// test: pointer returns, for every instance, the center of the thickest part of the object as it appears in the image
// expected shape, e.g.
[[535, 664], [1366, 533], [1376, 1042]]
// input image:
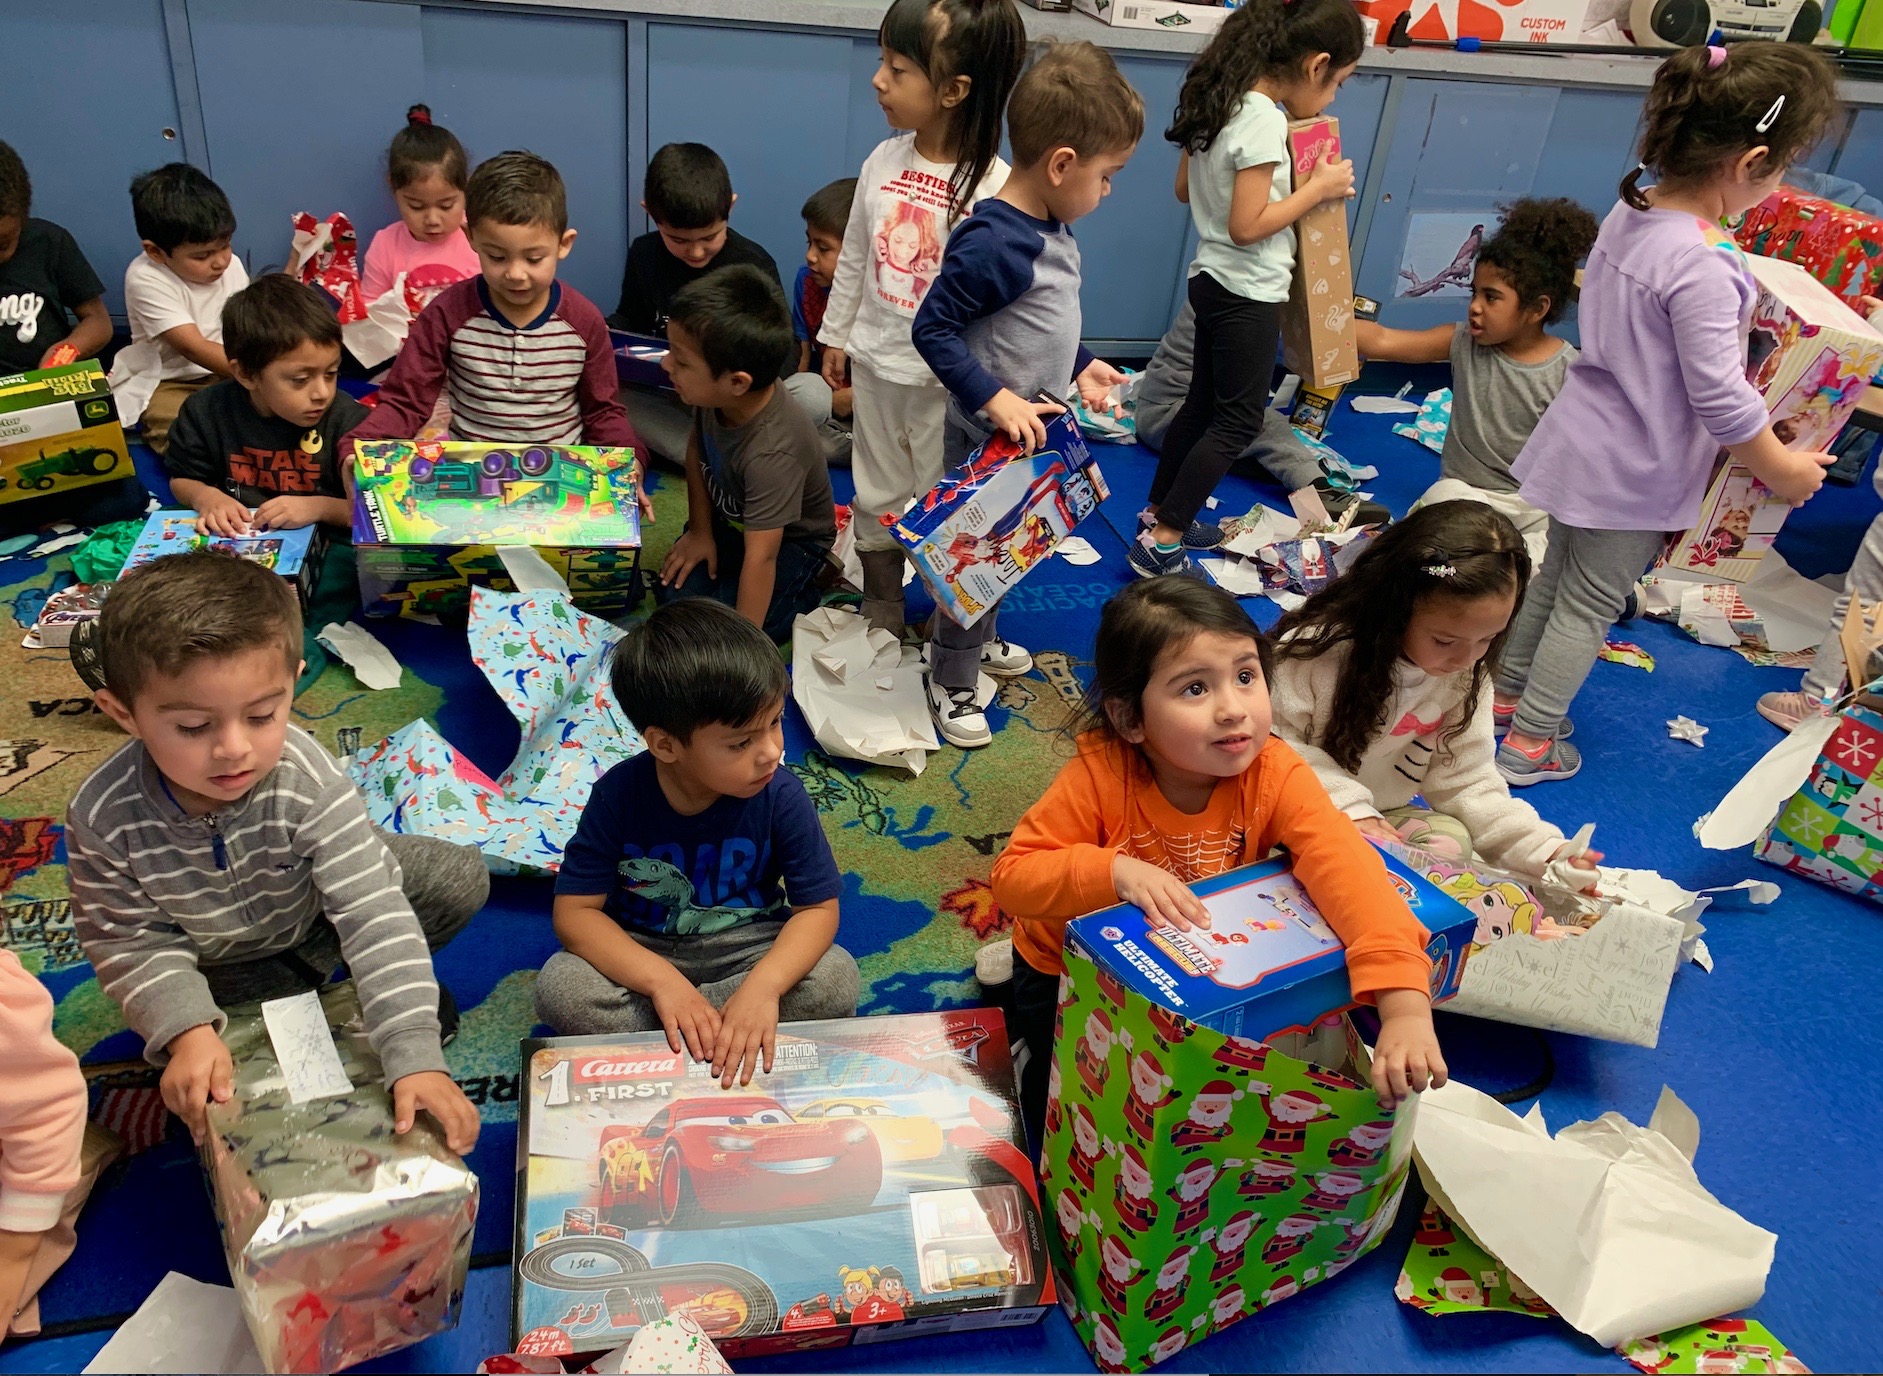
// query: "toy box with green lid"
[[873, 1185], [1212, 1143]]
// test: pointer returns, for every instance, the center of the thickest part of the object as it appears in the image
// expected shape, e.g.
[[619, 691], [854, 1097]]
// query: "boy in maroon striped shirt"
[[522, 358]]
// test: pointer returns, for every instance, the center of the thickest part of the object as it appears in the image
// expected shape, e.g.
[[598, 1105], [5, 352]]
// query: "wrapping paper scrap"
[[1110, 427], [1777, 612], [1626, 652], [1751, 804], [548, 662], [1434, 421], [1268, 556], [1716, 1345], [529, 571], [184, 1326], [101, 558], [1448, 1273], [1395, 405], [1075, 549], [325, 254], [371, 662], [859, 698], [1625, 1242], [676, 1343], [1341, 472], [1685, 728]]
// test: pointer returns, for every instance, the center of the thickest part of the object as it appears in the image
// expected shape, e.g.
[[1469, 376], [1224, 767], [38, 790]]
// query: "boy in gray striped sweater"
[[223, 857]]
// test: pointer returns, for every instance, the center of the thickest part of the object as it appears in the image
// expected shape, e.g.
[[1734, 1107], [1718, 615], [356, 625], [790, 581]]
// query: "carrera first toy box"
[[58, 430], [1811, 357], [985, 525], [430, 518], [294, 554], [874, 1185], [1317, 334], [1212, 1143]]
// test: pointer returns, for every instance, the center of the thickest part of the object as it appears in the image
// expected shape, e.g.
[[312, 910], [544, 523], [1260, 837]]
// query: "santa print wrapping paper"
[[1832, 829], [1841, 247], [1198, 1177]]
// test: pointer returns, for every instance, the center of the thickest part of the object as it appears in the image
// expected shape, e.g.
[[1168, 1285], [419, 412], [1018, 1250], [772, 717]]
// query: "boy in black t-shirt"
[[699, 894], [259, 450], [45, 284], [760, 520]]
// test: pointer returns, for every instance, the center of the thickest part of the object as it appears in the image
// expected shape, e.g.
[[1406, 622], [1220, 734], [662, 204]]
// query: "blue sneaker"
[[1148, 561], [1200, 538], [1520, 768]]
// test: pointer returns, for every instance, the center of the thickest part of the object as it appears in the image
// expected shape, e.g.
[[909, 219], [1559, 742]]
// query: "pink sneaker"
[[1787, 710]]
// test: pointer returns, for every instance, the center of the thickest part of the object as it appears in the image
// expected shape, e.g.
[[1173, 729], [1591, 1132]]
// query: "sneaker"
[[1201, 535], [1336, 502], [1560, 760], [957, 716], [1005, 659], [1148, 561], [1787, 710], [1502, 716], [447, 1015]]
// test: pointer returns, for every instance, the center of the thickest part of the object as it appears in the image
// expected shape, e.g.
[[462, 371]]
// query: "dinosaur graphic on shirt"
[[660, 884]]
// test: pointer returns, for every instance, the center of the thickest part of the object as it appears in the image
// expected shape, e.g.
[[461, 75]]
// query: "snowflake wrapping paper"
[[548, 662], [1433, 422], [1832, 829]]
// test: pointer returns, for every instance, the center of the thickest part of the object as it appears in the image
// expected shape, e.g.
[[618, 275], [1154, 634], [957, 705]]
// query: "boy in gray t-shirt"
[[760, 520]]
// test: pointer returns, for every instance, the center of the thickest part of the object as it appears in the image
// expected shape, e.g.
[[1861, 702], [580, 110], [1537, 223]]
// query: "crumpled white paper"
[[371, 662], [1077, 550], [859, 698], [1606, 1220], [1751, 804], [185, 1325]]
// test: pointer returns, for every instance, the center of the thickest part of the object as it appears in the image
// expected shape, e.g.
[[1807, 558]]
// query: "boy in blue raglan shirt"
[[699, 895], [1000, 325]]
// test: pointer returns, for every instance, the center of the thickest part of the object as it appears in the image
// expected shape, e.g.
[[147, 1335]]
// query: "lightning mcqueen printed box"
[[873, 1186]]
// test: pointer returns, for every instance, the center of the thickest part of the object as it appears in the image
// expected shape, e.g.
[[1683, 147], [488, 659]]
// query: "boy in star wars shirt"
[[259, 450]]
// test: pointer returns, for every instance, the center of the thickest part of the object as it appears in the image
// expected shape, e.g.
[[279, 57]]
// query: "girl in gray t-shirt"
[[1506, 366]]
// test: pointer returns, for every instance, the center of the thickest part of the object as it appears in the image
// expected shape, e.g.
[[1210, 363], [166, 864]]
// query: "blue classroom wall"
[[290, 105]]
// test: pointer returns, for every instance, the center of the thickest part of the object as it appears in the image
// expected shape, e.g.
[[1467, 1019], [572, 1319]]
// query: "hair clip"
[[1771, 116], [1715, 57], [1439, 570]]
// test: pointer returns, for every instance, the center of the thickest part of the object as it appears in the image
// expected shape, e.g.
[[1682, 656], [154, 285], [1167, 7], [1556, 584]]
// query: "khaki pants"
[[160, 413]]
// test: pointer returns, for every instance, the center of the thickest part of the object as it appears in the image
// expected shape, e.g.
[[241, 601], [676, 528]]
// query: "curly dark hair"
[[1537, 248], [1699, 115], [1262, 38], [16, 188], [1369, 607]]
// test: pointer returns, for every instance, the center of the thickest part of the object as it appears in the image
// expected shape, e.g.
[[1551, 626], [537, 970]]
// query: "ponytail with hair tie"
[[419, 114]]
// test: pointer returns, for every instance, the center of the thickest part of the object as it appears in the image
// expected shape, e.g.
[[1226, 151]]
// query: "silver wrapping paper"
[[344, 1241]]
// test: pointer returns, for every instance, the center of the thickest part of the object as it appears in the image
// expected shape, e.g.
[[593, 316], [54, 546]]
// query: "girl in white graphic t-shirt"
[[947, 69]]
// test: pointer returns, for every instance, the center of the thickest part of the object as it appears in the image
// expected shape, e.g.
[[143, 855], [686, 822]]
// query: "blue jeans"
[[794, 587]]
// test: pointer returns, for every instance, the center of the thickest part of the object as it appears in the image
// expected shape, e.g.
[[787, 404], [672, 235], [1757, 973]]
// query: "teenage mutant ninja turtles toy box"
[[431, 517], [58, 429], [874, 1185], [1212, 1143]]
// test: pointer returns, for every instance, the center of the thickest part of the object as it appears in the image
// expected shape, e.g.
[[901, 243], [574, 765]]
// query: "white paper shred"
[[304, 1049], [371, 662], [1077, 550], [530, 571], [184, 1326]]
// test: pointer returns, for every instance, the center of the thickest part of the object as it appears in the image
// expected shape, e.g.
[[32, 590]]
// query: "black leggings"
[[1035, 1006], [1236, 342]]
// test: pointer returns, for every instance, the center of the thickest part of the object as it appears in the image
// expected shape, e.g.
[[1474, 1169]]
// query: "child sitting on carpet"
[[223, 857], [825, 215], [1625, 452], [1178, 779], [1505, 367], [1382, 683], [427, 172], [259, 450], [699, 895], [42, 1123]]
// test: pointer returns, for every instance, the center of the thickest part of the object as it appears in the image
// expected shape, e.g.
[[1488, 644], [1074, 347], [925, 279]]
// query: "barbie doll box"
[[872, 1185], [1811, 357]]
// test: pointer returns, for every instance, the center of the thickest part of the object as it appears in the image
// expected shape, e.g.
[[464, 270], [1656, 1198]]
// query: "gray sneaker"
[[1521, 769]]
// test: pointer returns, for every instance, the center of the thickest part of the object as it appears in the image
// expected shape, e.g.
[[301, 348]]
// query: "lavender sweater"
[[1629, 442]]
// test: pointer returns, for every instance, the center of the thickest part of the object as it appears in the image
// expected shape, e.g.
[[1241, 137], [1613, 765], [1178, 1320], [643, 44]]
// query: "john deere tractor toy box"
[[1212, 1144], [294, 554], [58, 429], [431, 517], [874, 1185]]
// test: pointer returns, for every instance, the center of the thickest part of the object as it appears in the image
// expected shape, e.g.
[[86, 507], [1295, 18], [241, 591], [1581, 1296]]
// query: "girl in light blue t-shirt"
[[1272, 59]]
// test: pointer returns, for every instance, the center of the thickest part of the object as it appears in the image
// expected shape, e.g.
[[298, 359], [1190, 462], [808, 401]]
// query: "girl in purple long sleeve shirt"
[[1624, 453]]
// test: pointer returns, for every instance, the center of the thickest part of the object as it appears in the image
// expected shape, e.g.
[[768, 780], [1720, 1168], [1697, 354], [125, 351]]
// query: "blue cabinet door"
[[86, 104]]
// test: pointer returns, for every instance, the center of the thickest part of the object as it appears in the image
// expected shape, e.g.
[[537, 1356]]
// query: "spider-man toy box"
[[984, 526], [873, 1185]]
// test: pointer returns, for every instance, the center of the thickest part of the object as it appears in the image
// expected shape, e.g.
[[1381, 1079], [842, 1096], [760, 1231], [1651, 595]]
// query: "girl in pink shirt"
[[427, 171]]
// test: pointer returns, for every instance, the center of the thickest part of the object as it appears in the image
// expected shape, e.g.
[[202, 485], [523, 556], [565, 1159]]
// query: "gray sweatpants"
[[578, 1000], [1277, 451], [447, 885], [954, 650], [1573, 600], [1825, 677]]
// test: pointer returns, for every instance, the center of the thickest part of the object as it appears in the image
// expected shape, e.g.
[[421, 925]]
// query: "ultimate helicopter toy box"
[[294, 554], [874, 1185]]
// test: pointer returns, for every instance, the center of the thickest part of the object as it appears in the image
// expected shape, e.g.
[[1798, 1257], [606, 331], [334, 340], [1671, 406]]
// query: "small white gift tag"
[[304, 1049]]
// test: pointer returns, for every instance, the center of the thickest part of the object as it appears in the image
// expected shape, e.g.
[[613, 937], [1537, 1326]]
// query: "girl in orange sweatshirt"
[[1178, 779], [42, 1123]]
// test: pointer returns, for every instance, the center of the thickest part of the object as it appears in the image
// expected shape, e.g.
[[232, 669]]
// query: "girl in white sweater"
[[1382, 683]]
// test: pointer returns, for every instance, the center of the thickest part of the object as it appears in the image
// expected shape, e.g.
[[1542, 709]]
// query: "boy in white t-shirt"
[[174, 293]]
